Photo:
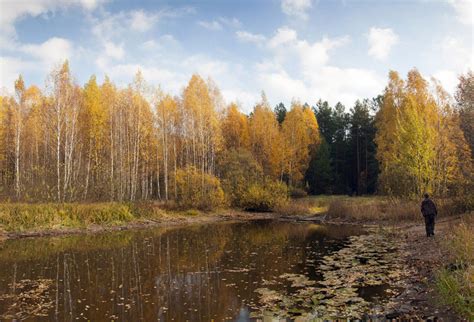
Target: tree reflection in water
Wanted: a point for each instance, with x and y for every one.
(195, 273)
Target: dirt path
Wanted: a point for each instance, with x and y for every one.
(423, 256)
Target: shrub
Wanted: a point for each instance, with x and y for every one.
(265, 197)
(198, 190)
(238, 171)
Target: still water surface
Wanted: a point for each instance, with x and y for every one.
(196, 273)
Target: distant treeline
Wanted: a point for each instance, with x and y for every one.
(100, 142)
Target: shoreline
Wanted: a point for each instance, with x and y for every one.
(227, 215)
(177, 219)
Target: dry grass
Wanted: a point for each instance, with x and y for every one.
(293, 209)
(455, 282)
(23, 217)
(307, 206)
(385, 209)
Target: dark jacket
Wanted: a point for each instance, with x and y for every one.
(428, 207)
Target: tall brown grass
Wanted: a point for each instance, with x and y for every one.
(386, 209)
(304, 206)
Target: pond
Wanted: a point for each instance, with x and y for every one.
(221, 271)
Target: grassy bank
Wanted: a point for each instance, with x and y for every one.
(455, 281)
(23, 217)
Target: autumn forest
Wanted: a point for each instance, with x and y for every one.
(100, 142)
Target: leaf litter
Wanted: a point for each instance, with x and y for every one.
(366, 261)
(27, 299)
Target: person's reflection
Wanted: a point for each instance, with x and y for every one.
(244, 315)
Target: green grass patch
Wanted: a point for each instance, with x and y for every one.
(455, 291)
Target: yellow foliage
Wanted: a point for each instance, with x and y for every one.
(300, 134)
(201, 123)
(266, 141)
(419, 142)
(96, 113)
(265, 196)
(198, 190)
(235, 129)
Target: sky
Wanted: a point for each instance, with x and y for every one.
(306, 50)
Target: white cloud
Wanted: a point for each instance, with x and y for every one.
(347, 84)
(90, 4)
(250, 37)
(330, 83)
(10, 68)
(448, 78)
(164, 42)
(125, 73)
(286, 47)
(230, 22)
(219, 23)
(173, 74)
(317, 54)
(51, 52)
(280, 86)
(205, 66)
(296, 8)
(381, 41)
(464, 10)
(282, 36)
(40, 59)
(12, 11)
(300, 69)
(211, 25)
(142, 21)
(110, 26)
(114, 51)
(245, 99)
(456, 54)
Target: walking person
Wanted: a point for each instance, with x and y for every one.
(429, 211)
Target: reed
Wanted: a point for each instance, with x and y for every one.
(23, 217)
(386, 209)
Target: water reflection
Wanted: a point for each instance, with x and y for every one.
(197, 273)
